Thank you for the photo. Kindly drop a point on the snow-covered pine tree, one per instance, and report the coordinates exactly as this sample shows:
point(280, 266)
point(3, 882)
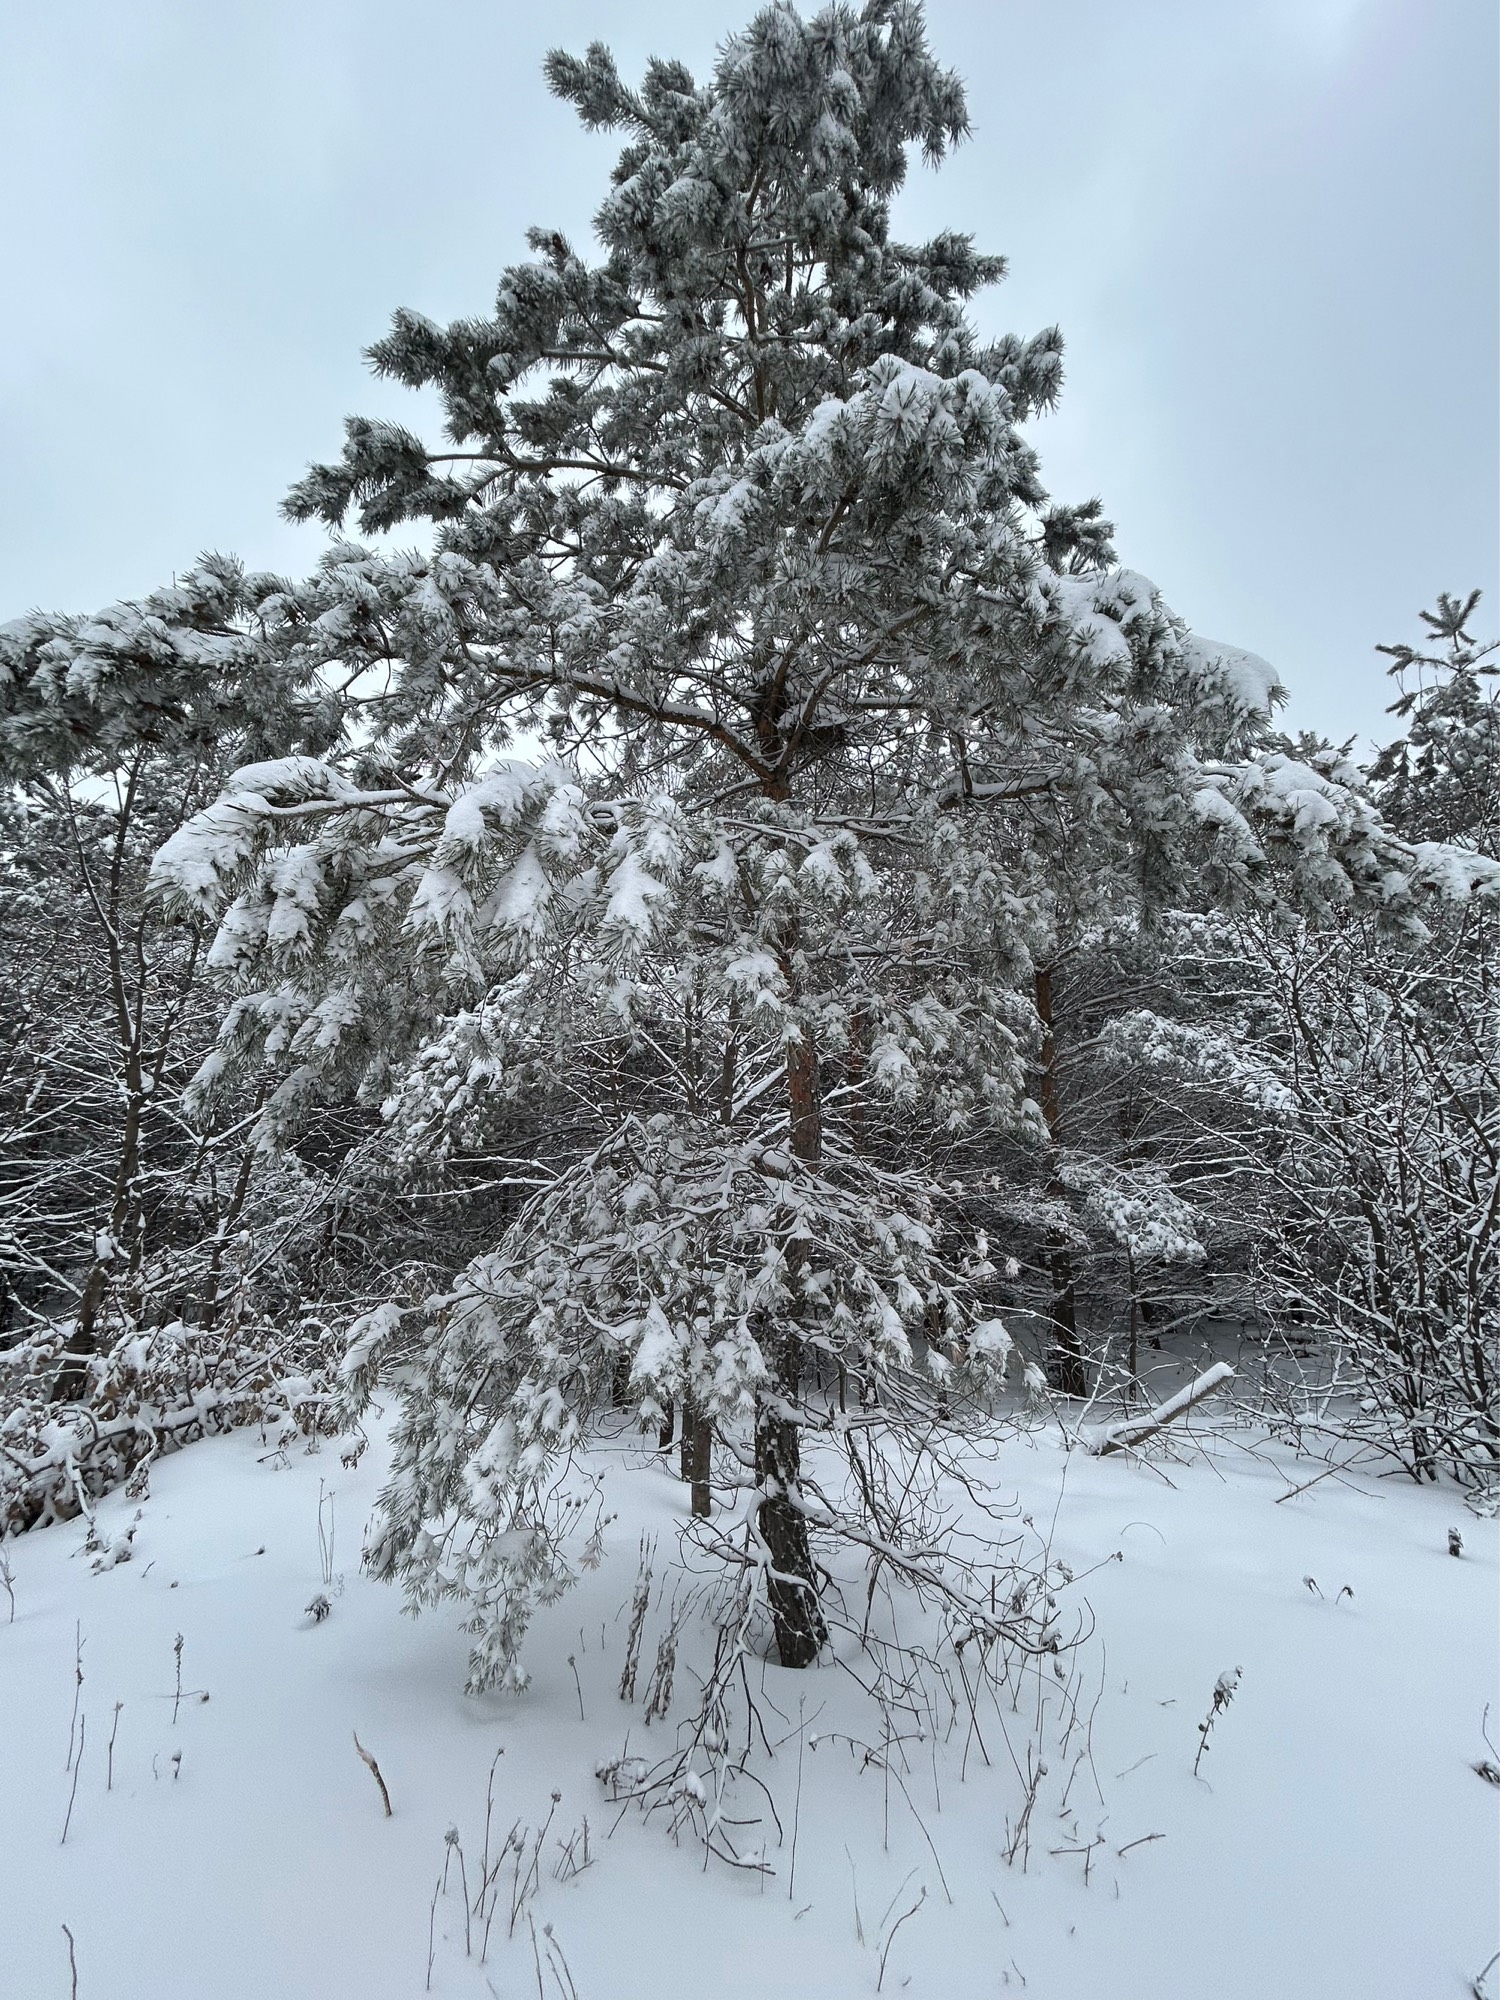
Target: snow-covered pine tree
point(1441, 780)
point(723, 775)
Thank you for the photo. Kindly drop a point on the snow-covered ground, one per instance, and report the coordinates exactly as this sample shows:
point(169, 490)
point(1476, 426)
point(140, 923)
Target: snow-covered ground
point(1337, 1845)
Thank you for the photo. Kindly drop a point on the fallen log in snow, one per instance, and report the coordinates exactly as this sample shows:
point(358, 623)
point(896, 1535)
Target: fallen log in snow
point(1120, 1437)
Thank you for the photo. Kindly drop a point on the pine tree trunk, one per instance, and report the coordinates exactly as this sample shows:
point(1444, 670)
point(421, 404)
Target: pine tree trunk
point(695, 1448)
point(791, 1587)
point(702, 1437)
point(804, 1099)
point(686, 1450)
point(1065, 1367)
point(854, 1070)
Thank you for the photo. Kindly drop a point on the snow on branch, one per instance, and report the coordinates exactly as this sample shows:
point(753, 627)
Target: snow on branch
point(1122, 1437)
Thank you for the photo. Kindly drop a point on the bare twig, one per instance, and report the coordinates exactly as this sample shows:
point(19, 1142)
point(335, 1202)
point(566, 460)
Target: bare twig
point(374, 1770)
point(859, 1928)
point(489, 1814)
point(524, 1885)
point(1291, 1493)
point(456, 1847)
point(73, 1964)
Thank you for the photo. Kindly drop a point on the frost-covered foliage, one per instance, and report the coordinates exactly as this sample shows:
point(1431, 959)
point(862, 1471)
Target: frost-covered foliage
point(1309, 826)
point(1390, 1183)
point(147, 1394)
point(148, 1259)
point(1352, 1087)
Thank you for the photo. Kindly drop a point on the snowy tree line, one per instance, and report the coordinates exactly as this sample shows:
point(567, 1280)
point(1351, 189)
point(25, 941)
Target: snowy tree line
point(754, 923)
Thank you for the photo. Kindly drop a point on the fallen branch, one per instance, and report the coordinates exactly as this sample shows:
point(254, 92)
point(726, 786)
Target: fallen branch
point(1121, 1437)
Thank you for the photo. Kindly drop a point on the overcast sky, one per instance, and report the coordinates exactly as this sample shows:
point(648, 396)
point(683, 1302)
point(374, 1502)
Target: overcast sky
point(1268, 229)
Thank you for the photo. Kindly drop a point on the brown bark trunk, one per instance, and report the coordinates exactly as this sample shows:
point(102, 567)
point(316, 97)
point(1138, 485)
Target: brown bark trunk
point(791, 1586)
point(856, 1077)
point(805, 1101)
point(1065, 1365)
point(700, 1473)
point(685, 1447)
point(695, 1455)
point(72, 1376)
point(728, 1065)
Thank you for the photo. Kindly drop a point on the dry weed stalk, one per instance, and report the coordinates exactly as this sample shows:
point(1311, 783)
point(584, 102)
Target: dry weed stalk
point(891, 1935)
point(78, 1646)
point(1224, 1688)
point(639, 1603)
point(996, 1640)
point(83, 1724)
